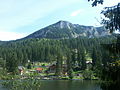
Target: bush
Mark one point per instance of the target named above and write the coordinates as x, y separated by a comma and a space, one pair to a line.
87, 74
28, 84
70, 74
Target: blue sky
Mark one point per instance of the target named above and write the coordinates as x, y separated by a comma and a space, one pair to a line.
19, 18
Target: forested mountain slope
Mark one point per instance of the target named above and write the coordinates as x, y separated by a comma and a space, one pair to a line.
66, 30
47, 49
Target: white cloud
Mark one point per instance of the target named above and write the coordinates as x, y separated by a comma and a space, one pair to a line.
5, 36
15, 13
77, 12
108, 3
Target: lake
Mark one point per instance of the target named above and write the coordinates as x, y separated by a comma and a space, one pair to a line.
67, 85
70, 85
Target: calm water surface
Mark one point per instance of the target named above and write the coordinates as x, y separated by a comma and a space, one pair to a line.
67, 85
70, 85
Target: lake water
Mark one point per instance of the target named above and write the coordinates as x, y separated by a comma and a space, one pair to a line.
67, 85
70, 85
2, 88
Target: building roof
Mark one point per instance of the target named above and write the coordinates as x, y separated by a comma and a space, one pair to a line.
20, 67
39, 69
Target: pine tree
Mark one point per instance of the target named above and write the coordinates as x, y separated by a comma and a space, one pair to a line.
81, 58
69, 65
12, 62
59, 63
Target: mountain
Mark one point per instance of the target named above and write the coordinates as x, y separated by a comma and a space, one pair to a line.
66, 30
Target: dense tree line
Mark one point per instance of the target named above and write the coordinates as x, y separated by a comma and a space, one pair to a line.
72, 51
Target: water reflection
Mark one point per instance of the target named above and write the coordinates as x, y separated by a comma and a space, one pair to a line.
70, 85
110, 86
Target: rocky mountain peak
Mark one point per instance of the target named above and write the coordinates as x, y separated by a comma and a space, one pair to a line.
65, 30
63, 24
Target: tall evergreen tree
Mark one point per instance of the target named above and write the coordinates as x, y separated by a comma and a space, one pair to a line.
81, 58
59, 63
69, 65
12, 63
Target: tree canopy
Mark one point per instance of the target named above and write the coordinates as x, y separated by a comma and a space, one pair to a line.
112, 17
95, 2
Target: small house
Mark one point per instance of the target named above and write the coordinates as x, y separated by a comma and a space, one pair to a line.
39, 70
21, 69
89, 64
52, 68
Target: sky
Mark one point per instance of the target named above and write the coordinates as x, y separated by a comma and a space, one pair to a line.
19, 18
